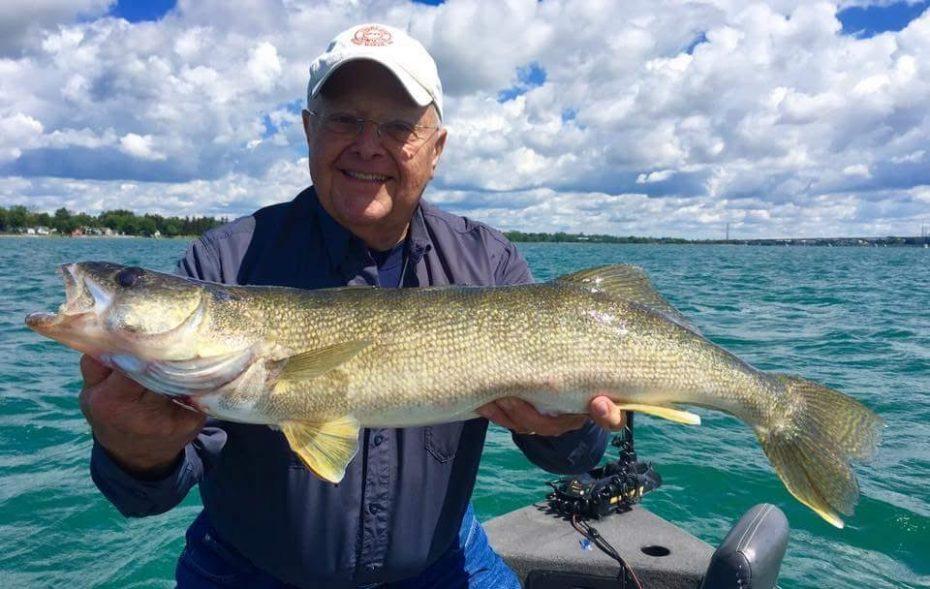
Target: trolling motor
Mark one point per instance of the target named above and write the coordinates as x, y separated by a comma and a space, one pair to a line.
612, 488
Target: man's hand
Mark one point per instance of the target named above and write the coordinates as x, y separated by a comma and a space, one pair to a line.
518, 415
143, 431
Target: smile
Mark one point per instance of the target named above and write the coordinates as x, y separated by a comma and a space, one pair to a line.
366, 177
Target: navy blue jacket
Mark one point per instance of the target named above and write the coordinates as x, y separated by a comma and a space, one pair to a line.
399, 507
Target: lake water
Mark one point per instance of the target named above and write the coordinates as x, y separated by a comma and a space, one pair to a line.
857, 319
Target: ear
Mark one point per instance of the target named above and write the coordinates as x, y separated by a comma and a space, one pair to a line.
308, 126
438, 146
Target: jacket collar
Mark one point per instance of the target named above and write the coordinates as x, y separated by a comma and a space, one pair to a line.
420, 241
340, 244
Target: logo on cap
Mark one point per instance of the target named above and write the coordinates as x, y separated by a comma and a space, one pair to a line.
372, 37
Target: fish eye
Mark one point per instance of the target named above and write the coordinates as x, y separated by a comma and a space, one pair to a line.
128, 277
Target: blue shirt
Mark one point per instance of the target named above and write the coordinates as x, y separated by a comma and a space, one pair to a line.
391, 265
403, 497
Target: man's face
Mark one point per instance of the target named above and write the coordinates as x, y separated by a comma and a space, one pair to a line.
371, 184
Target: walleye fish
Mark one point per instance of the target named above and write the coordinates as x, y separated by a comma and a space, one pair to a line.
322, 364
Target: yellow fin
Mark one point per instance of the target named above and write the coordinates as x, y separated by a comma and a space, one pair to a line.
325, 448
676, 415
311, 364
811, 449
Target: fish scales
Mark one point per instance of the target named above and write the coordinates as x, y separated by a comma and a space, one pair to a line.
323, 364
455, 349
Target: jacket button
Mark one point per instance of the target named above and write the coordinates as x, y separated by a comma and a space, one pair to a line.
378, 439
373, 508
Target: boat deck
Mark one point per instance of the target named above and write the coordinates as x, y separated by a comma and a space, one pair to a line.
547, 553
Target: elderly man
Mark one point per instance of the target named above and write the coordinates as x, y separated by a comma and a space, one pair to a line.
401, 516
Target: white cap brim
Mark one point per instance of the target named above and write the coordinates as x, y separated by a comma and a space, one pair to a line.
414, 89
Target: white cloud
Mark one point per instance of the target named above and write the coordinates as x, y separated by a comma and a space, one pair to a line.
857, 170
264, 65
231, 195
139, 146
660, 176
867, 3
18, 132
910, 158
656, 117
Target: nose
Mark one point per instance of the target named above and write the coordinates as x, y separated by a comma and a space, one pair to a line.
368, 142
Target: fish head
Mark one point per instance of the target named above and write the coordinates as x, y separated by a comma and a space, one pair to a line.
110, 308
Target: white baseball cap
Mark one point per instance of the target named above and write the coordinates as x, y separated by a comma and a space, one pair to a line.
400, 53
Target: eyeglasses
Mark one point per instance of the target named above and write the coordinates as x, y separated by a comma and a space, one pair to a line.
401, 132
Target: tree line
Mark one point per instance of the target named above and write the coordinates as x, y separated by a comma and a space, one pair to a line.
17, 218
562, 237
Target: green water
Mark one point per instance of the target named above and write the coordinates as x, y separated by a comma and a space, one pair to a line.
857, 319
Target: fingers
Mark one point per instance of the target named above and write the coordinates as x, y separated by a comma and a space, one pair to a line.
143, 431
493, 413
120, 388
108, 392
86, 400
190, 419
606, 413
521, 417
109, 397
93, 372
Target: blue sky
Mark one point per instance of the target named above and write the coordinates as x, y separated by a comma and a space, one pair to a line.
529, 76
786, 117
867, 21
142, 10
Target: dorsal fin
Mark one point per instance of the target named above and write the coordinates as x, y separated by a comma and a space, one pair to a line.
630, 283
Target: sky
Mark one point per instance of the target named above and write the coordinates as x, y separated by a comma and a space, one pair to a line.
637, 117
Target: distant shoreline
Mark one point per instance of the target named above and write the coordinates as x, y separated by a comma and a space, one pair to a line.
19, 219
516, 237
59, 236
889, 241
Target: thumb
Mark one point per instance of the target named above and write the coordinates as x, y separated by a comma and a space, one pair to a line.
93, 371
607, 414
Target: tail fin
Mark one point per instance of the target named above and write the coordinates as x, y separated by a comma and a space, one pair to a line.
812, 449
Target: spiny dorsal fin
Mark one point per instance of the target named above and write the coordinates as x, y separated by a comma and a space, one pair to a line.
311, 364
325, 448
630, 283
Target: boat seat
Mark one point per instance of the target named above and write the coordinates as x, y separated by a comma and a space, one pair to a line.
751, 554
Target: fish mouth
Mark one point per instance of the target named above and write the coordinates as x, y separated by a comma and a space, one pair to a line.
83, 297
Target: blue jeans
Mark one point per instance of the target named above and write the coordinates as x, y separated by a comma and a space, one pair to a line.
208, 563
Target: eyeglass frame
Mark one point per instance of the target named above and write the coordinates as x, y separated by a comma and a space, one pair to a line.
379, 127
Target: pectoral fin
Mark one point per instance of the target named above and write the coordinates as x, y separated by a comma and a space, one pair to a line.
325, 448
676, 415
311, 364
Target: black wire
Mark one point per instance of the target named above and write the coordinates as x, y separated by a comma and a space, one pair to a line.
591, 533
